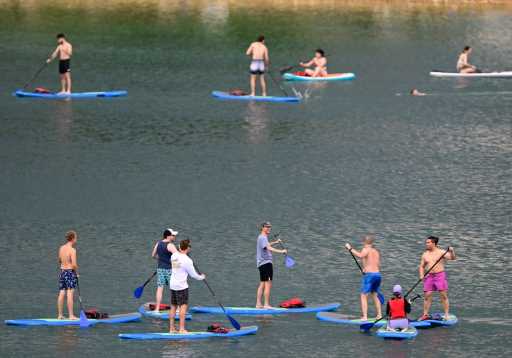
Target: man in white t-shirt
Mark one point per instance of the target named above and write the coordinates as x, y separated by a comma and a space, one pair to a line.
182, 266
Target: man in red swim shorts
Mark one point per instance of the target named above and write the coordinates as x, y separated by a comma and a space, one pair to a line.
436, 278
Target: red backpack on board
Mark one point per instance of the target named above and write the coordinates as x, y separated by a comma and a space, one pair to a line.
293, 303
163, 307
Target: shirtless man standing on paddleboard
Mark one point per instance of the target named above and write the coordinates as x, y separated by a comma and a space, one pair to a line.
64, 50
320, 63
370, 284
68, 279
259, 59
436, 279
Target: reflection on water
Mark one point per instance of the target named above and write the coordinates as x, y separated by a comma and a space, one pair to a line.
257, 118
67, 340
177, 349
64, 120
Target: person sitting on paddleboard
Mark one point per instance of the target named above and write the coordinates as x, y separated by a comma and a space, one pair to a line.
264, 251
162, 252
370, 283
68, 278
436, 278
64, 50
182, 267
397, 309
463, 65
320, 63
259, 59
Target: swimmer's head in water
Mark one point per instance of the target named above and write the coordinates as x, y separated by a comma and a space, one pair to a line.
319, 52
261, 38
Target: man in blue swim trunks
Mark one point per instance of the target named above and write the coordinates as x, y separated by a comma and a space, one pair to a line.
163, 251
259, 59
370, 283
68, 279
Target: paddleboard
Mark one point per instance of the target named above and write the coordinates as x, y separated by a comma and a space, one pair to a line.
354, 321
289, 76
505, 74
120, 318
230, 97
106, 94
261, 311
146, 312
244, 331
437, 320
386, 333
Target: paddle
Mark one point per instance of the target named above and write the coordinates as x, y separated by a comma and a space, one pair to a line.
84, 322
380, 295
367, 326
277, 84
233, 321
137, 293
286, 69
288, 260
35, 75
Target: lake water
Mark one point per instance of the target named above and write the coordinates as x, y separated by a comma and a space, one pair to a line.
355, 157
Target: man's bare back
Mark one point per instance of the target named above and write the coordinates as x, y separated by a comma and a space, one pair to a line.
67, 257
258, 52
371, 259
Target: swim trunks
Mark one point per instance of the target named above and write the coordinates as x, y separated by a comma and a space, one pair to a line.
401, 323
64, 66
179, 298
257, 67
266, 272
163, 277
435, 282
67, 280
370, 282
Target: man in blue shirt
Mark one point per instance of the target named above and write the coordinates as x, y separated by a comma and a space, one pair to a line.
264, 251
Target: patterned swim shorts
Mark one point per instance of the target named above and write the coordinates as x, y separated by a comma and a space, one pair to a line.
164, 277
67, 280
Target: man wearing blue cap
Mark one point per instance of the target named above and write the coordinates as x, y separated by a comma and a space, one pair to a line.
397, 309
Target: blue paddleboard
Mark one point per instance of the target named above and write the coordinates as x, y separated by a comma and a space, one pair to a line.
230, 97
120, 318
106, 94
262, 311
244, 331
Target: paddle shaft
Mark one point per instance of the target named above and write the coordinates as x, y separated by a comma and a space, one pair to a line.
35, 75
149, 279
277, 84
426, 273
357, 262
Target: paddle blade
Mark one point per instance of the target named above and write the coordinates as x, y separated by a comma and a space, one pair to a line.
137, 293
84, 322
234, 322
381, 298
365, 327
289, 262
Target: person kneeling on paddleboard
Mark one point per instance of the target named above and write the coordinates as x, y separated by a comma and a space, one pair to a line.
320, 63
397, 309
463, 65
182, 266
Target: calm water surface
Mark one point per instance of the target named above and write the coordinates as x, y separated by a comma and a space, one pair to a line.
354, 158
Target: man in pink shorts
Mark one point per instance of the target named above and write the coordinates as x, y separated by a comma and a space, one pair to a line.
436, 278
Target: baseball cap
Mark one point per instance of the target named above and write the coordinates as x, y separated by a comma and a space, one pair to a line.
397, 289
266, 223
169, 232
